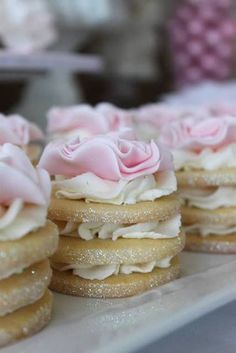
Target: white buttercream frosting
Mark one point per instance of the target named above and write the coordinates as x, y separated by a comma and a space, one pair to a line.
207, 159
19, 219
92, 188
101, 272
152, 230
210, 229
210, 198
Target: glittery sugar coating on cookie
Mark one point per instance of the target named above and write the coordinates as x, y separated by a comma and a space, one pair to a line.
26, 321
202, 178
220, 216
122, 251
79, 211
19, 254
115, 286
211, 243
24, 288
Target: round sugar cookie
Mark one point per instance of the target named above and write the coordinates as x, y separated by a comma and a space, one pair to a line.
25, 288
73, 250
26, 321
218, 244
116, 286
223, 216
204, 178
80, 211
34, 247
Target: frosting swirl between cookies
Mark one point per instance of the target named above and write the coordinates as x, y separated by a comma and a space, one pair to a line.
209, 229
152, 230
101, 272
210, 198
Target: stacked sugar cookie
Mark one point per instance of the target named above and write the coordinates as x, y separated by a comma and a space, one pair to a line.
119, 217
18, 131
27, 239
204, 151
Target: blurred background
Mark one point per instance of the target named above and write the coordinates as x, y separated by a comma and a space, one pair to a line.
127, 52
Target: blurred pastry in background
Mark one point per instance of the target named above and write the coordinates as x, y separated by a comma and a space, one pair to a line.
84, 120
204, 155
23, 133
151, 118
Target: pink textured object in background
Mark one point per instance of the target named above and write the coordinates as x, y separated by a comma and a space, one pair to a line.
17, 130
78, 117
202, 39
197, 133
84, 120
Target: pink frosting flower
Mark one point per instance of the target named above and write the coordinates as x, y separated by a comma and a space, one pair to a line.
108, 157
20, 180
157, 114
17, 130
117, 118
84, 118
198, 133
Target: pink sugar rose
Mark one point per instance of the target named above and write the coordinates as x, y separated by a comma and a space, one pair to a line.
117, 118
108, 157
17, 130
158, 114
198, 133
84, 118
20, 180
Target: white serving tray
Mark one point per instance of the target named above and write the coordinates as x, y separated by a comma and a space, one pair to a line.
83, 325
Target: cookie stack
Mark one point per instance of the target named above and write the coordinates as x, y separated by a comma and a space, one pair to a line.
119, 217
27, 239
204, 153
